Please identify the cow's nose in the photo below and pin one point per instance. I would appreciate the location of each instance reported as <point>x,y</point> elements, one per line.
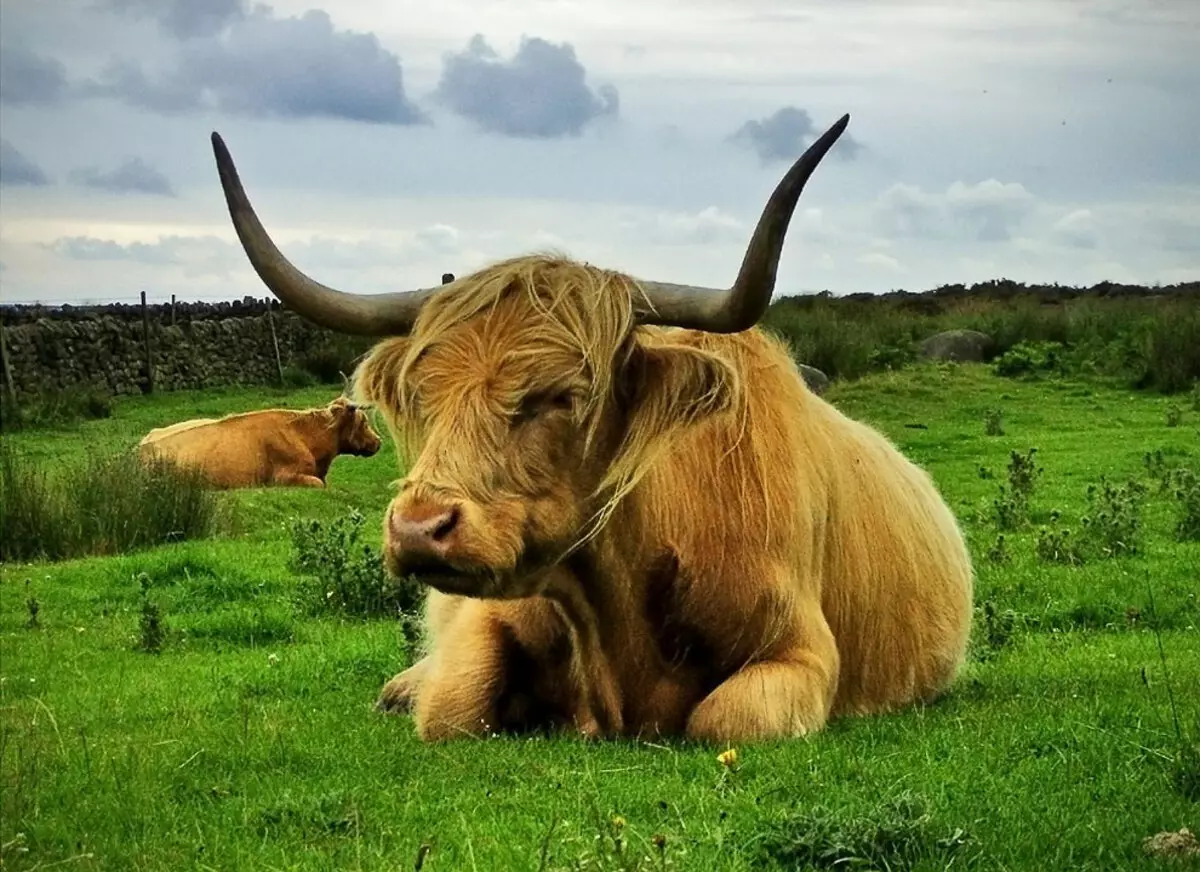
<point>424,528</point>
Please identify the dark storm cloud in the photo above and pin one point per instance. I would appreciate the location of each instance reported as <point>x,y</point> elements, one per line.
<point>541,93</point>
<point>183,18</point>
<point>26,77</point>
<point>17,169</point>
<point>264,66</point>
<point>134,175</point>
<point>784,135</point>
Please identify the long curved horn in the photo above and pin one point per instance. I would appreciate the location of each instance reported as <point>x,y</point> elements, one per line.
<point>362,314</point>
<point>731,310</point>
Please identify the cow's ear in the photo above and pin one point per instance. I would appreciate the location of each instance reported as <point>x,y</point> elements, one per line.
<point>376,380</point>
<point>667,388</point>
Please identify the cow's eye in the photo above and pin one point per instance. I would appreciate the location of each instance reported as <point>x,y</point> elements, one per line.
<point>535,405</point>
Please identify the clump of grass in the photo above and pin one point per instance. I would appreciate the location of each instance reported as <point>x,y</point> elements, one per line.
<point>1010,508</point>
<point>1174,415</point>
<point>33,607</point>
<point>1030,358</point>
<point>1058,546</point>
<point>341,573</point>
<point>1184,485</point>
<point>297,377</point>
<point>898,834</point>
<point>53,409</point>
<point>150,626</point>
<point>1114,521</point>
<point>107,504</point>
<point>998,553</point>
<point>993,422</point>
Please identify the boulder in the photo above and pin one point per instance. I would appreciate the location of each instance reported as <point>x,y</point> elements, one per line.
<point>964,346</point>
<point>816,380</point>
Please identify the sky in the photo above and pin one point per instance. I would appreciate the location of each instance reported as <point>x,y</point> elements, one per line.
<point>383,144</point>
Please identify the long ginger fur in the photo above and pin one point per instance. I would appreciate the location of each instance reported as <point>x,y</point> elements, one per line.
<point>724,555</point>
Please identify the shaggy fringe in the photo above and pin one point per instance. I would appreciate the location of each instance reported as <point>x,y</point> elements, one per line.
<point>586,309</point>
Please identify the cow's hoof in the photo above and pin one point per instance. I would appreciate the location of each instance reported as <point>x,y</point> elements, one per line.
<point>396,697</point>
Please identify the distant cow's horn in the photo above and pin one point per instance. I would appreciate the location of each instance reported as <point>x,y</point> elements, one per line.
<point>363,314</point>
<point>731,310</point>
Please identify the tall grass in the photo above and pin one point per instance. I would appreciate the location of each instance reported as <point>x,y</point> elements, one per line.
<point>53,408</point>
<point>107,504</point>
<point>1149,342</point>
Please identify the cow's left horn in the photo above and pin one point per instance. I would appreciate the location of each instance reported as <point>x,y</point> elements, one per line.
<point>730,310</point>
<point>363,314</point>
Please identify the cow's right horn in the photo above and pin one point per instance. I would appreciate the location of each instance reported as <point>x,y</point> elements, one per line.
<point>739,307</point>
<point>363,314</point>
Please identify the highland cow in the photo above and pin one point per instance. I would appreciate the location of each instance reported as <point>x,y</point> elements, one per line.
<point>632,515</point>
<point>267,447</point>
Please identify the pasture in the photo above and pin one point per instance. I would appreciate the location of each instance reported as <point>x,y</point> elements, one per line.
<point>247,739</point>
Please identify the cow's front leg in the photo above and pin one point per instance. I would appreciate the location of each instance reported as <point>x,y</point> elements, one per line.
<point>787,692</point>
<point>397,695</point>
<point>496,665</point>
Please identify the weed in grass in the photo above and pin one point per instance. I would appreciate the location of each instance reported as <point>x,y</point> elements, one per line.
<point>1184,485</point>
<point>33,606</point>
<point>998,552</point>
<point>993,422</point>
<point>985,473</point>
<point>1195,395</point>
<point>1113,524</point>
<point>1023,473</point>
<point>996,630</point>
<point>1174,415</point>
<point>344,574</point>
<point>897,834</point>
<point>1058,546</point>
<point>150,625</point>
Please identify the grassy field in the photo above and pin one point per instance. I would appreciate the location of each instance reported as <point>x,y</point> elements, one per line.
<point>249,742</point>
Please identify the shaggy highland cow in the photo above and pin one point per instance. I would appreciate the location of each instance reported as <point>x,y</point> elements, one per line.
<point>632,514</point>
<point>277,447</point>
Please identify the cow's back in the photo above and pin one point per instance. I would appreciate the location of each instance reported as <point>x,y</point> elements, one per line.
<point>792,479</point>
<point>237,451</point>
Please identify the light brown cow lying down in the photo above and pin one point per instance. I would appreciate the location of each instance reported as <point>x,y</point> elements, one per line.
<point>268,447</point>
<point>632,514</point>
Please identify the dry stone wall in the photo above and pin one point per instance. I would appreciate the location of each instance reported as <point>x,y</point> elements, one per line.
<point>103,348</point>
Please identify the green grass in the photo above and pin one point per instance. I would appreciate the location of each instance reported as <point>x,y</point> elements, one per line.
<point>249,741</point>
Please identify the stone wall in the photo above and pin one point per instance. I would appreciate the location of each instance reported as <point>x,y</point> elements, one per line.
<point>103,347</point>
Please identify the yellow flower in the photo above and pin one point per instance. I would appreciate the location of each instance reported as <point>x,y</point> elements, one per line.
<point>728,758</point>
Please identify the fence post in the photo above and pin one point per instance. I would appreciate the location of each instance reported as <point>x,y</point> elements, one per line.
<point>274,341</point>
<point>8,376</point>
<point>146,340</point>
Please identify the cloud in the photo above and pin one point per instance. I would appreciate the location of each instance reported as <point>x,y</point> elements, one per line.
<point>16,169</point>
<point>264,66</point>
<point>26,77</point>
<point>877,260</point>
<point>1076,229</point>
<point>194,255</point>
<point>184,18</point>
<point>541,93</point>
<point>709,226</point>
<point>985,212</point>
<point>784,135</point>
<point>134,175</point>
